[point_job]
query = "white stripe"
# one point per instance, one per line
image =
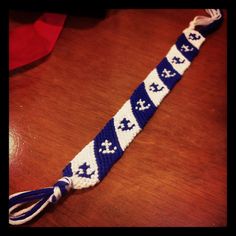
(86, 155)
(195, 43)
(126, 136)
(174, 54)
(156, 97)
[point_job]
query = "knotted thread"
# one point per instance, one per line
(205, 20)
(208, 24)
(43, 196)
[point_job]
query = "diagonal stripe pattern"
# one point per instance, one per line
(108, 146)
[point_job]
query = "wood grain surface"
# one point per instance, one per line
(174, 172)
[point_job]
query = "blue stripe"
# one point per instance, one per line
(168, 81)
(67, 171)
(142, 116)
(106, 161)
(188, 54)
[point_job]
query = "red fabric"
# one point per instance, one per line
(31, 42)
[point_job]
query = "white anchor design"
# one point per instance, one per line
(186, 48)
(141, 106)
(107, 149)
(167, 73)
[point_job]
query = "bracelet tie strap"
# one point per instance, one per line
(93, 163)
(42, 197)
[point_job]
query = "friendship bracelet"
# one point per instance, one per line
(92, 164)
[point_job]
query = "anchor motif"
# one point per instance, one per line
(177, 60)
(167, 73)
(154, 87)
(106, 147)
(186, 48)
(140, 105)
(126, 125)
(193, 36)
(82, 172)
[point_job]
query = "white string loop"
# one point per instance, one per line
(215, 14)
(42, 197)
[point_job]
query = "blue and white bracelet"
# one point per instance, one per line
(92, 164)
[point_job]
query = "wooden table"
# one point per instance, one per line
(174, 173)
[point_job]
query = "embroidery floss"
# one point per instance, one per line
(93, 163)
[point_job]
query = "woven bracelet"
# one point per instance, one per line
(94, 161)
